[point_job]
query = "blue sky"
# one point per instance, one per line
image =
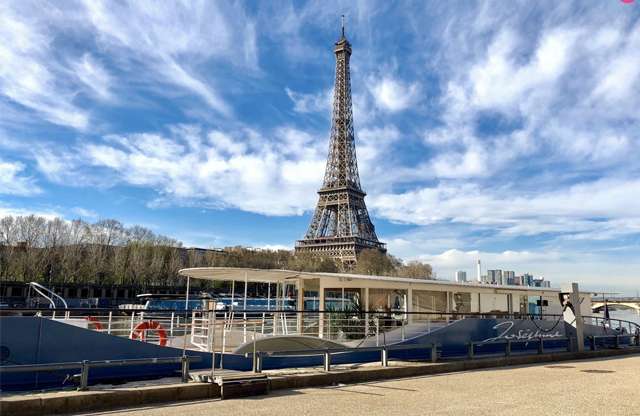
(506, 131)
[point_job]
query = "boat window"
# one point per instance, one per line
(347, 299)
(429, 301)
(173, 304)
(385, 300)
(311, 300)
(524, 304)
(462, 302)
(494, 302)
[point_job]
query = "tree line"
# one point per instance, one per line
(56, 251)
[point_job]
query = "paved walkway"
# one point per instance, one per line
(607, 386)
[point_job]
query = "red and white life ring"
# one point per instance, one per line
(141, 329)
(95, 322)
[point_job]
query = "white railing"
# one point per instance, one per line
(224, 331)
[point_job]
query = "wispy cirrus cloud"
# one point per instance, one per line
(14, 182)
(29, 75)
(171, 40)
(168, 44)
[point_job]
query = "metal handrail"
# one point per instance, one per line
(86, 365)
(39, 289)
(258, 356)
(291, 311)
(97, 311)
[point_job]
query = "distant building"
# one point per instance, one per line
(494, 277)
(461, 276)
(509, 277)
(528, 279)
(479, 272)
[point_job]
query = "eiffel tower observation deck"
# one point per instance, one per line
(341, 227)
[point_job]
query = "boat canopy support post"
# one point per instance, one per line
(300, 305)
(269, 296)
(233, 292)
(244, 308)
(186, 297)
(366, 308)
(321, 307)
(409, 305)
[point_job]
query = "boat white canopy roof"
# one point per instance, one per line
(279, 276)
(241, 274)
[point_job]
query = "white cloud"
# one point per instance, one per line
(557, 266)
(13, 182)
(92, 74)
(606, 206)
(85, 213)
(8, 210)
(29, 75)
(153, 44)
(170, 40)
(311, 103)
(500, 81)
(393, 95)
(275, 247)
(473, 162)
(266, 175)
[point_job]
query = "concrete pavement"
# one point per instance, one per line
(608, 386)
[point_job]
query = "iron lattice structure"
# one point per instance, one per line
(341, 227)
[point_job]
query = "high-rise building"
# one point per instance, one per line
(509, 277)
(340, 227)
(479, 272)
(495, 277)
(461, 276)
(528, 279)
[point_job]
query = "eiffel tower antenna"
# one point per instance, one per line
(340, 227)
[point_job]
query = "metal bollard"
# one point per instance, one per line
(84, 376)
(434, 353)
(327, 361)
(592, 339)
(184, 360)
(507, 348)
(617, 341)
(384, 356)
(540, 346)
(570, 344)
(470, 350)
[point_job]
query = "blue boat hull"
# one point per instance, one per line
(33, 340)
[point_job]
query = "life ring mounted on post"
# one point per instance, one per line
(140, 331)
(92, 320)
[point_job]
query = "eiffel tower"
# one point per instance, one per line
(341, 227)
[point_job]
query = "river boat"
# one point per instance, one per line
(302, 313)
